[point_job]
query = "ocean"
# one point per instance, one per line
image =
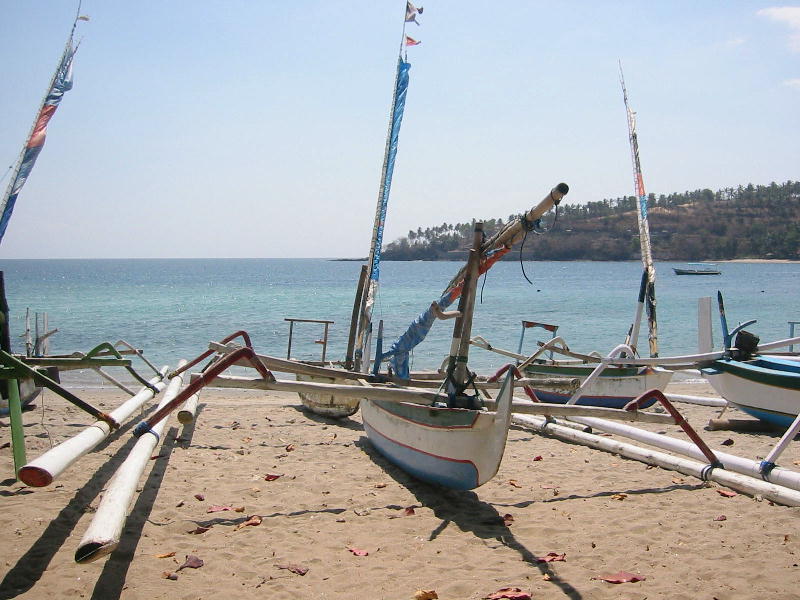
(172, 308)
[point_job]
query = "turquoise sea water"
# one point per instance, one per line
(172, 308)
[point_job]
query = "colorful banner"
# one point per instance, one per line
(62, 82)
(396, 118)
(401, 88)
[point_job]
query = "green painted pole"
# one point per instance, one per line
(17, 432)
(12, 389)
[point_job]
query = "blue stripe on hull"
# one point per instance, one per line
(603, 401)
(777, 419)
(455, 474)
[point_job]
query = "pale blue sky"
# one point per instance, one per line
(257, 129)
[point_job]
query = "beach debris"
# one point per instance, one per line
(728, 442)
(191, 562)
(165, 555)
(514, 483)
(179, 504)
(552, 557)
(200, 529)
(294, 568)
(253, 521)
(169, 575)
(272, 476)
(621, 577)
(289, 447)
(504, 520)
(408, 511)
(380, 485)
(426, 595)
(513, 593)
(727, 493)
(535, 458)
(620, 496)
(200, 497)
(362, 512)
(220, 508)
(678, 480)
(721, 518)
(358, 552)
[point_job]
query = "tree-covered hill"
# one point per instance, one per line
(733, 223)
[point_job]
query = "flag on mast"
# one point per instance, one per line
(412, 12)
(411, 41)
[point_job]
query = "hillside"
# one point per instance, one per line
(756, 222)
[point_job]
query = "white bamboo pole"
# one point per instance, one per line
(777, 450)
(743, 483)
(700, 400)
(188, 411)
(782, 477)
(103, 534)
(44, 469)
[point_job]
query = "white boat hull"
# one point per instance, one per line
(328, 405)
(456, 448)
(613, 389)
(768, 389)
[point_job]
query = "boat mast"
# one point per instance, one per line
(647, 290)
(60, 83)
(458, 375)
(364, 335)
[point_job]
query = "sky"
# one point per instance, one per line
(257, 129)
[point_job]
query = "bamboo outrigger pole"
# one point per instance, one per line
(501, 243)
(103, 535)
(43, 470)
(750, 485)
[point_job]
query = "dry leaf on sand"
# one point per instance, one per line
(621, 577)
(294, 568)
(513, 593)
(192, 562)
(552, 557)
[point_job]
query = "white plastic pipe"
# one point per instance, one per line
(700, 470)
(43, 470)
(103, 535)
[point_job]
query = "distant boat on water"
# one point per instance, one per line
(698, 269)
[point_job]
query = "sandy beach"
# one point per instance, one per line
(338, 522)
